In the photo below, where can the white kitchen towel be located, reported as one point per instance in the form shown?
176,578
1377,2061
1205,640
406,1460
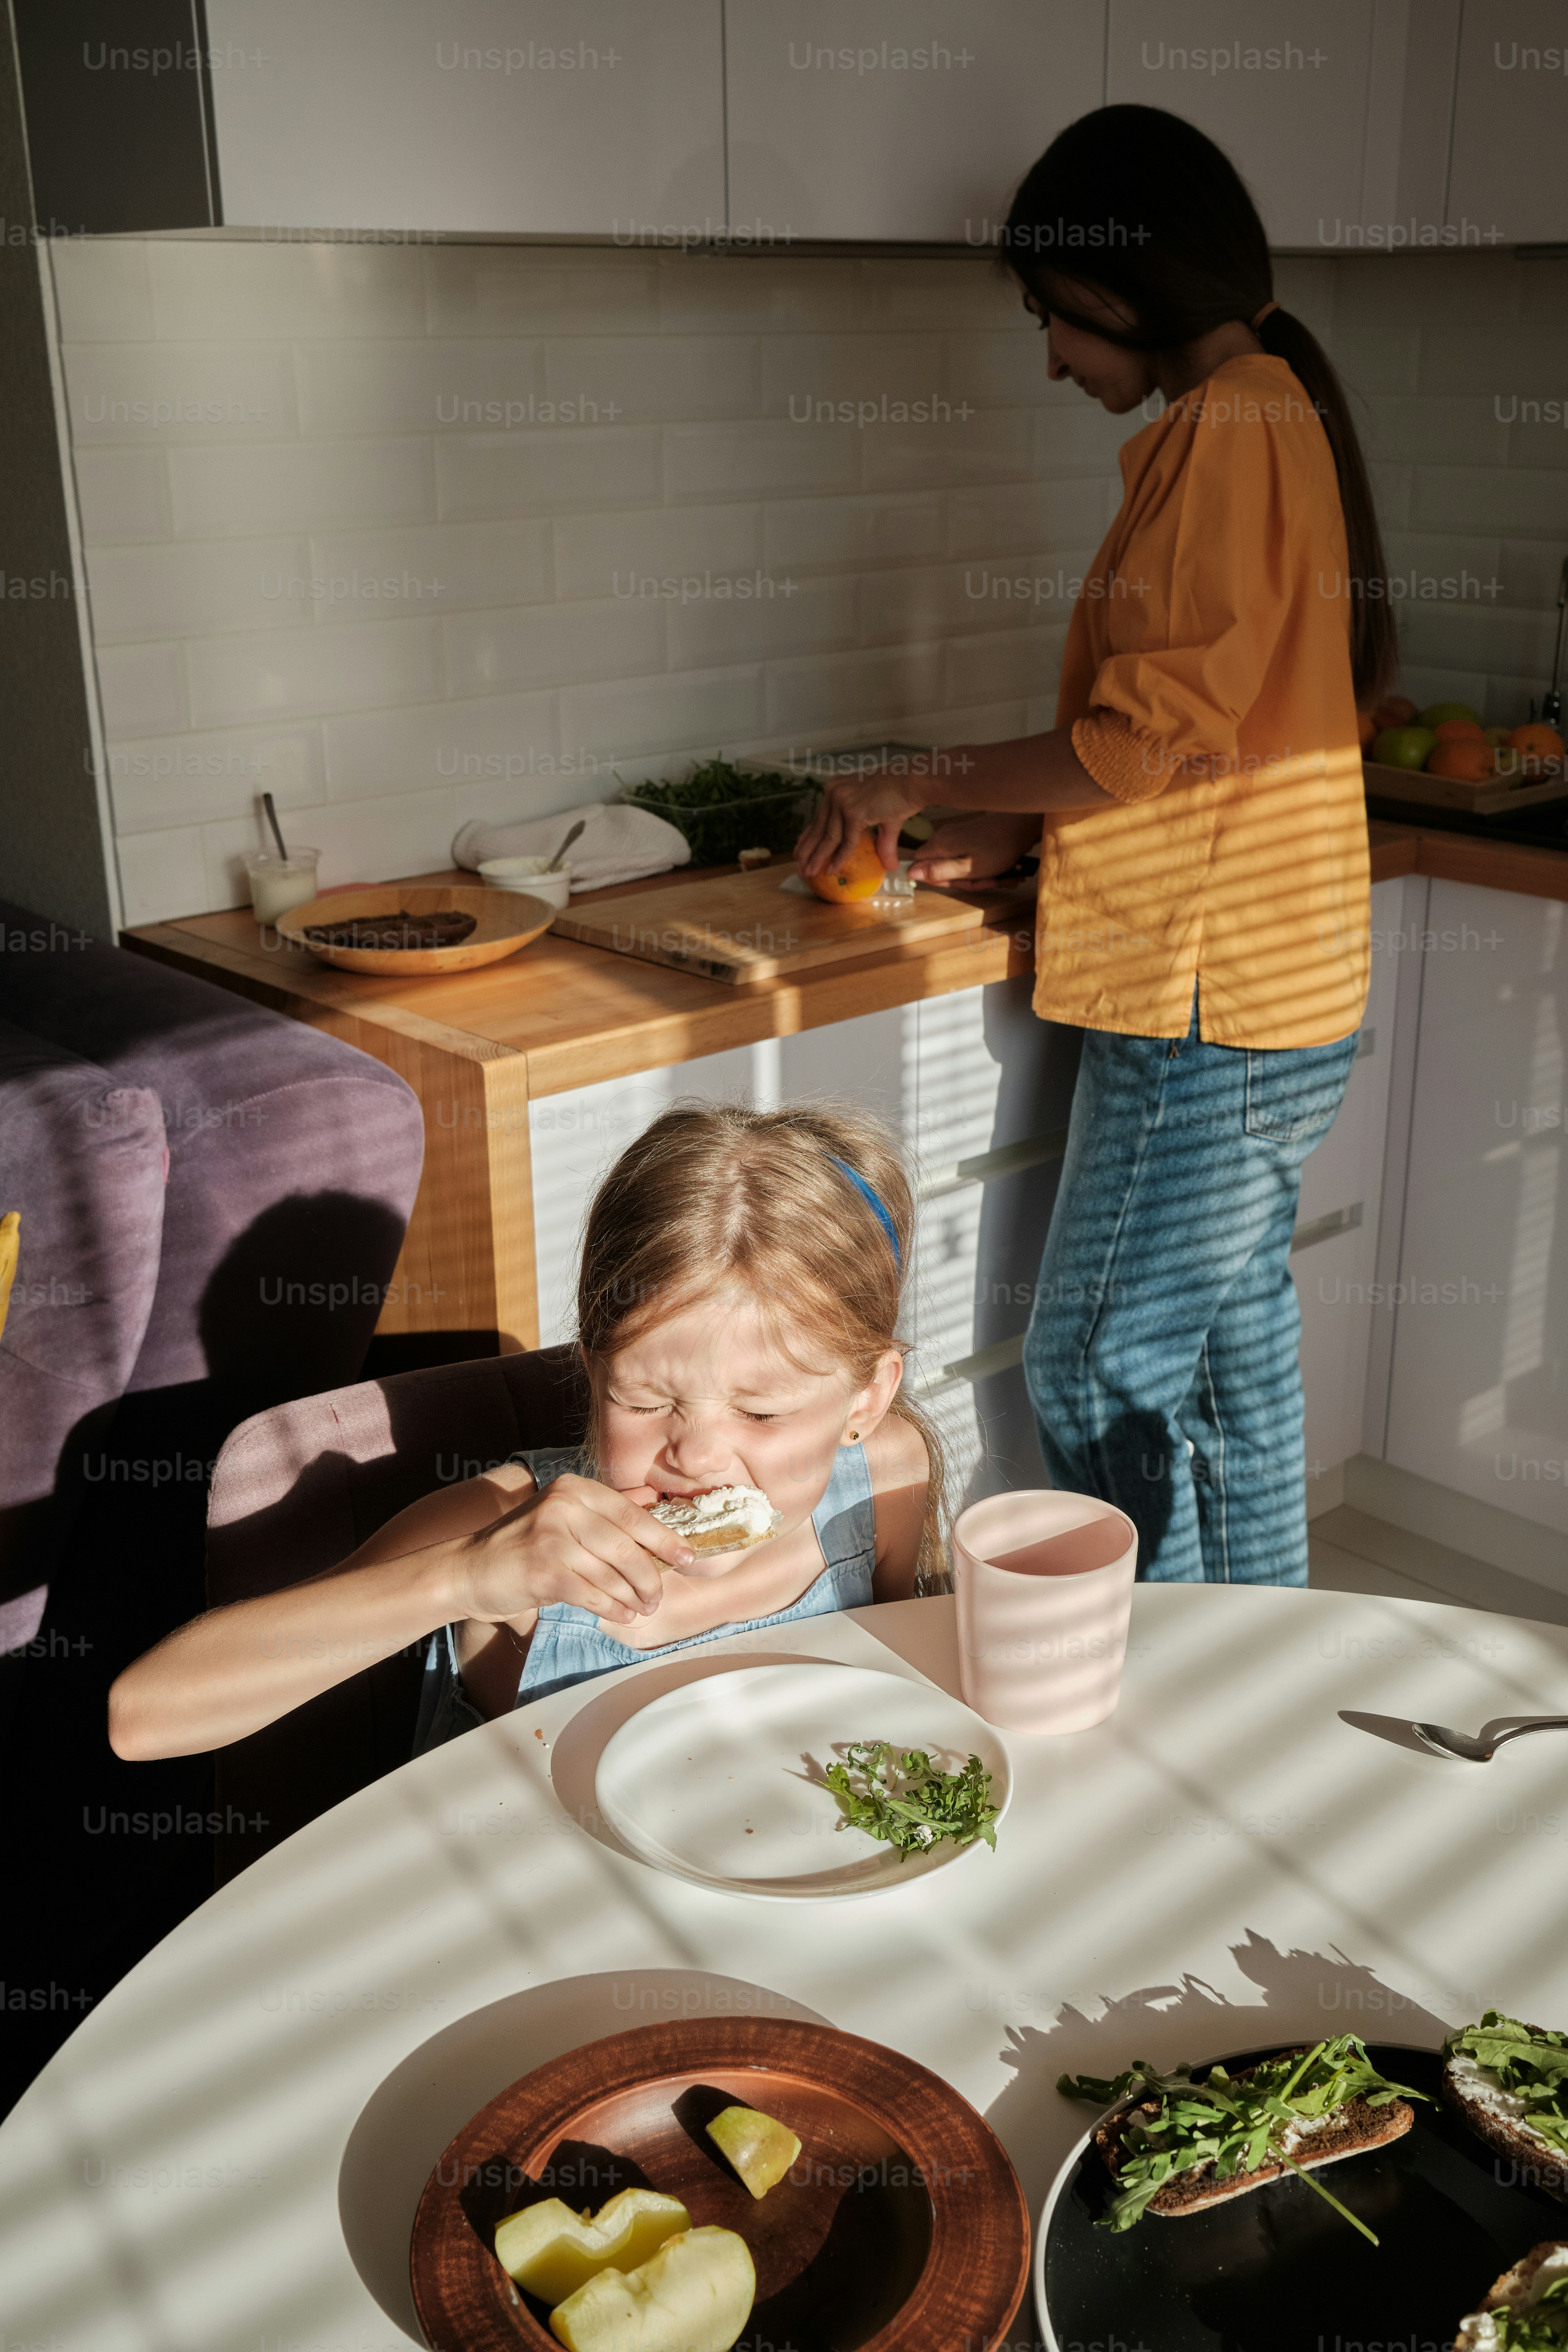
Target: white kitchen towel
619,843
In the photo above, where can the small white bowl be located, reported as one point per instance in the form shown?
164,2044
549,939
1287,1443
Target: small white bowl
528,875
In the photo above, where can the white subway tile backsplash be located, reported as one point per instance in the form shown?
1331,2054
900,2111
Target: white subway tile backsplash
443,567
396,610
610,554
480,289
633,380
195,588
291,671
820,534
853,690
483,475
301,486
170,780
445,386
124,494
760,617
769,458
102,291
234,293
142,689
163,875
699,711
169,393
506,739
553,644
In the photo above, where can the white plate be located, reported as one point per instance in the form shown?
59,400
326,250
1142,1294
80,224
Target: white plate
721,1781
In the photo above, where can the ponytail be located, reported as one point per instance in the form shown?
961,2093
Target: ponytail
1164,224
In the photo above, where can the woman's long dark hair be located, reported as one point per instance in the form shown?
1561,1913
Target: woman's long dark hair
1141,204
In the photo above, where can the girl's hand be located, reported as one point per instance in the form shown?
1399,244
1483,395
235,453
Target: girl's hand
974,848
577,1541
854,805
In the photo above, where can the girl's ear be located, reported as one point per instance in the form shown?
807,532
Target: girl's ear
868,1406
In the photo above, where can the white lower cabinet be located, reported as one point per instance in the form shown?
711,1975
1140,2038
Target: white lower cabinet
1334,1260
1478,1392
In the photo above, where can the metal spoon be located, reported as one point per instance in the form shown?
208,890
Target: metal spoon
579,828
270,806
1445,1742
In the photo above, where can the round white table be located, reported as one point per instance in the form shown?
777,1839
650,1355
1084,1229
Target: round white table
226,2155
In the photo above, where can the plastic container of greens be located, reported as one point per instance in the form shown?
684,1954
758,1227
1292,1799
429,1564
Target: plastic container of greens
724,806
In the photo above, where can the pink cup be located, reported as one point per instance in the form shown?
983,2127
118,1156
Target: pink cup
1045,1589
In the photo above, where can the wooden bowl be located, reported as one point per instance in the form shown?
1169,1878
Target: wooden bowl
901,2227
505,920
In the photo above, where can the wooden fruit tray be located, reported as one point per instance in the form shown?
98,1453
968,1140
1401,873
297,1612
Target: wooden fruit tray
1413,784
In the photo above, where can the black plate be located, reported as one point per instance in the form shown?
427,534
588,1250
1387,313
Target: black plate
1278,2270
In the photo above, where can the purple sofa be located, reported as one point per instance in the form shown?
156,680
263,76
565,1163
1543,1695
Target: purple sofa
186,1164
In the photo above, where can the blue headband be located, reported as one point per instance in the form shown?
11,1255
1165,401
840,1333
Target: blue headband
877,1206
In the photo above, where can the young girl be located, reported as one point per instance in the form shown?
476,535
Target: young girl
738,1307
1203,889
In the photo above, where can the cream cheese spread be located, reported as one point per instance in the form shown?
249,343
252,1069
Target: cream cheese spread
744,1508
1479,2332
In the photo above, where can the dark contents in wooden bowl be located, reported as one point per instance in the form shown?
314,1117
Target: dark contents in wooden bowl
396,931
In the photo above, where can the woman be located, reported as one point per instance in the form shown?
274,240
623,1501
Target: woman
1203,913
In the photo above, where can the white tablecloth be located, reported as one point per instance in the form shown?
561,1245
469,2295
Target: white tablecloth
226,2155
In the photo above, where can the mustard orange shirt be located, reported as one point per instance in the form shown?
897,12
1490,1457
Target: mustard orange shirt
1206,681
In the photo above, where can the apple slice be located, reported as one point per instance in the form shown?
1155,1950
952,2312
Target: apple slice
552,2251
694,2295
761,2150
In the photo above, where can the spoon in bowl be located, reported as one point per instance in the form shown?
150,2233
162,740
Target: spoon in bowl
1443,1741
580,827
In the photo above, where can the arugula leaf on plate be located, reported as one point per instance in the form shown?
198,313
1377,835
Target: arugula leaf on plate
908,1801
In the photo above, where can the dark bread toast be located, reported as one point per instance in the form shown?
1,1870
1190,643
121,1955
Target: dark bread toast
1512,2289
1537,2162
1360,2127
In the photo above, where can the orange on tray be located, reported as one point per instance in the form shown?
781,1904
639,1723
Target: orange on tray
860,873
1455,730
1366,727
1540,748
1464,759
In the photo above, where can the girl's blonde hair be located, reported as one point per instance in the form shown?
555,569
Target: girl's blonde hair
708,1195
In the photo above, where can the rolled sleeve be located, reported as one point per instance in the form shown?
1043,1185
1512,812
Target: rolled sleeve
1129,766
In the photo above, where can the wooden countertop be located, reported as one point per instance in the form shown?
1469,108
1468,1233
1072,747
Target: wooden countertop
578,1015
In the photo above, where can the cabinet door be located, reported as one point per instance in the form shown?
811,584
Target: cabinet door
601,117
1508,177
898,118
1478,1396
1281,88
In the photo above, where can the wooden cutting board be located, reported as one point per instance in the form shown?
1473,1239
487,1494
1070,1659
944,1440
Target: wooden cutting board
745,926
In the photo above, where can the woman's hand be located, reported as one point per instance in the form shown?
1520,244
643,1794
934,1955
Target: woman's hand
577,1541
973,848
854,805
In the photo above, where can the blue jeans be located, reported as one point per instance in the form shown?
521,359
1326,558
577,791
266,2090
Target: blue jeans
1161,1356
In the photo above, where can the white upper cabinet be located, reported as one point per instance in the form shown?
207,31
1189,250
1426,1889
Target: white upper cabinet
908,120
1283,89
1507,175
567,117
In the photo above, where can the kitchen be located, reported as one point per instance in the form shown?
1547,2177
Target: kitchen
449,416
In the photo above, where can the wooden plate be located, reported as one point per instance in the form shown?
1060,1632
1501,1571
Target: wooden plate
902,2228
1278,2270
505,920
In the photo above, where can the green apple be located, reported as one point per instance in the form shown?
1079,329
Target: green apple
761,2150
550,2251
1404,747
694,2295
1437,712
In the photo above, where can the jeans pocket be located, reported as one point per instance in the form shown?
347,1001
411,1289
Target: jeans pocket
1293,1097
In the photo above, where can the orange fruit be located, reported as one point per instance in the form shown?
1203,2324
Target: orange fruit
1454,730
1540,748
1366,727
1463,759
1395,710
859,873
